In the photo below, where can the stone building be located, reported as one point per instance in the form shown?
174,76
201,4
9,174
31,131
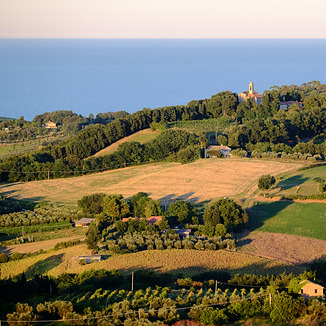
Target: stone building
257,98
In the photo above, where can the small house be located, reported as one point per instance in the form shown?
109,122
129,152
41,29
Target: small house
90,258
287,104
183,233
84,222
311,289
50,125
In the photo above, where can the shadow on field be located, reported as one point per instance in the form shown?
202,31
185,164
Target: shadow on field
292,182
6,250
263,211
43,266
168,199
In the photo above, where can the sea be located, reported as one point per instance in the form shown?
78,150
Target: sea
100,75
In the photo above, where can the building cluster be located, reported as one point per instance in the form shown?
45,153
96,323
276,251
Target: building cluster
257,98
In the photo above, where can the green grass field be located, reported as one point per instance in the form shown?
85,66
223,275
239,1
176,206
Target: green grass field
307,220
304,179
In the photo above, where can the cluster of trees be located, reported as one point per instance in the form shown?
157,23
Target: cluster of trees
40,215
136,234
226,212
150,240
176,145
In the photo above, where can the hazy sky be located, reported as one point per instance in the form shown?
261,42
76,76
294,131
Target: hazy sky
163,18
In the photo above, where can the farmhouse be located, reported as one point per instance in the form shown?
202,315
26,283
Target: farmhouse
257,98
311,289
86,221
287,104
212,151
50,125
184,233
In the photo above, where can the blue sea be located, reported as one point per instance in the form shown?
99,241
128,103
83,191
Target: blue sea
100,75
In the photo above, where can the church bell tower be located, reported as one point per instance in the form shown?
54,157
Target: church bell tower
251,88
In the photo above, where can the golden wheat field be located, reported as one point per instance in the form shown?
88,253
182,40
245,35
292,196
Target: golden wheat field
187,262
199,181
142,136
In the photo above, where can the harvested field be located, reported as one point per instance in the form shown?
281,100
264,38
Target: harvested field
142,137
36,246
197,182
282,247
187,262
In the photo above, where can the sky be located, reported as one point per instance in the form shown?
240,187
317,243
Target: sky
162,19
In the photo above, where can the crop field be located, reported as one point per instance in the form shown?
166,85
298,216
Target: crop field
186,262
142,137
300,182
200,181
287,217
282,247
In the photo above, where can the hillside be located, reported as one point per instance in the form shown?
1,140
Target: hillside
188,263
141,137
197,182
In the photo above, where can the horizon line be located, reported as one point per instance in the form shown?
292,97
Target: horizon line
169,38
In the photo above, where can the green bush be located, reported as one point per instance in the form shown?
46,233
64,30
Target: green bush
3,258
16,256
266,181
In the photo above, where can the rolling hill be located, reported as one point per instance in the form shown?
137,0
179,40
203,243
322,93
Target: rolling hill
197,182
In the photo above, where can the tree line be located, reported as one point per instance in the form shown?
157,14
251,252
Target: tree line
252,124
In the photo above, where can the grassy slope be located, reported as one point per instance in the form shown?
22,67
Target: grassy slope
303,219
187,262
200,181
142,137
289,184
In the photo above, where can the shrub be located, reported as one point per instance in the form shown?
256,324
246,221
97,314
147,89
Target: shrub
266,181
16,256
3,258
